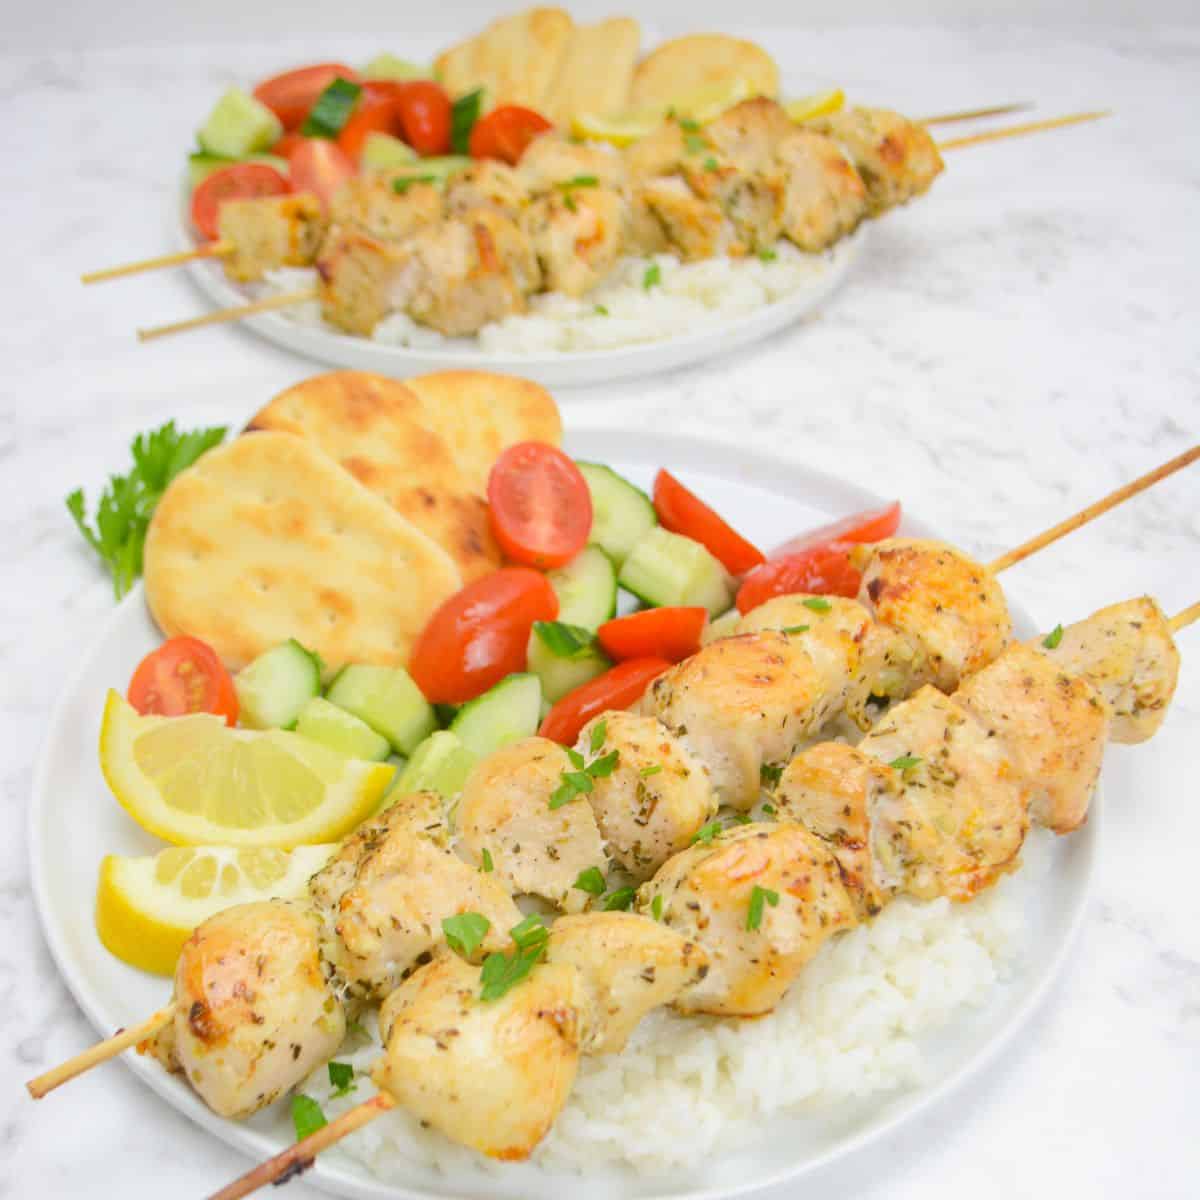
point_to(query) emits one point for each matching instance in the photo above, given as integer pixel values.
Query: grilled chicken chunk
(486, 183)
(825, 198)
(948, 607)
(1053, 726)
(254, 1013)
(656, 798)
(693, 227)
(748, 133)
(269, 232)
(1126, 652)
(371, 204)
(384, 894)
(629, 964)
(578, 235)
(550, 161)
(357, 273)
(708, 895)
(491, 1075)
(963, 808)
(535, 849)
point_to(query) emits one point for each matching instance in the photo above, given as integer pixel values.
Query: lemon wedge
(709, 103)
(623, 129)
(820, 104)
(146, 908)
(194, 781)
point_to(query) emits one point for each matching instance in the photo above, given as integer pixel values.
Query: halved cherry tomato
(505, 132)
(682, 511)
(823, 569)
(670, 633)
(425, 116)
(241, 181)
(317, 165)
(291, 95)
(184, 675)
(286, 144)
(541, 509)
(480, 634)
(379, 110)
(872, 525)
(616, 688)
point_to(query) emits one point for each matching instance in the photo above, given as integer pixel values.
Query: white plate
(74, 821)
(717, 335)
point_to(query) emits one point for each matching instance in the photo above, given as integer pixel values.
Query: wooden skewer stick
(222, 315)
(971, 114)
(1093, 510)
(209, 250)
(297, 1158)
(1011, 131)
(1184, 618)
(100, 1052)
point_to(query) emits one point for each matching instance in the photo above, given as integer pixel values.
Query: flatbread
(685, 66)
(515, 59)
(267, 538)
(377, 429)
(596, 72)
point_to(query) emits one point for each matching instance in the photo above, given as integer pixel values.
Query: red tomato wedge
(541, 509)
(319, 166)
(823, 569)
(480, 634)
(378, 111)
(241, 181)
(425, 113)
(670, 633)
(872, 525)
(291, 95)
(184, 675)
(682, 511)
(286, 144)
(505, 132)
(616, 688)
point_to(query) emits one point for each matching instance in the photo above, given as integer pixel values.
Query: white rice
(850, 1028)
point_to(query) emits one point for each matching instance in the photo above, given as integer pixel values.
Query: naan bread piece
(515, 59)
(479, 414)
(596, 72)
(684, 66)
(267, 538)
(377, 429)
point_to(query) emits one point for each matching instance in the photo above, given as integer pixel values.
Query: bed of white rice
(624, 311)
(850, 1028)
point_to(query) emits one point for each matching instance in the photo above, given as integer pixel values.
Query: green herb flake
(332, 109)
(706, 833)
(656, 907)
(486, 866)
(402, 183)
(463, 115)
(577, 759)
(465, 932)
(905, 762)
(591, 881)
(579, 181)
(710, 164)
(601, 311)
(769, 809)
(687, 124)
(695, 143)
(599, 733)
(307, 1116)
(619, 901)
(563, 640)
(502, 972)
(529, 932)
(1051, 640)
(766, 254)
(569, 202)
(652, 277)
(603, 767)
(741, 818)
(770, 774)
(759, 897)
(341, 1078)
(816, 603)
(652, 769)
(795, 629)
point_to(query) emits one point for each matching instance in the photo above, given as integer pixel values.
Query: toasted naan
(379, 431)
(596, 71)
(267, 538)
(687, 66)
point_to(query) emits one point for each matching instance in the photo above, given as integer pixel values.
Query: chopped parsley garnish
(687, 124)
(741, 818)
(580, 181)
(1051, 640)
(695, 143)
(652, 276)
(759, 897)
(307, 1116)
(652, 769)
(463, 115)
(605, 765)
(332, 109)
(710, 164)
(905, 762)
(599, 733)
(706, 833)
(341, 1078)
(402, 183)
(591, 881)
(573, 784)
(563, 640)
(816, 603)
(620, 900)
(601, 311)
(502, 972)
(465, 931)
(770, 774)
(569, 202)
(769, 809)
(485, 861)
(796, 628)
(656, 907)
(766, 254)
(529, 932)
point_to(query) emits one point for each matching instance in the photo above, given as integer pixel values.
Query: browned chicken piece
(751, 201)
(838, 793)
(485, 183)
(744, 704)
(629, 964)
(370, 203)
(1126, 652)
(550, 161)
(658, 153)
(761, 899)
(748, 133)
(947, 606)
(254, 1013)
(269, 232)
(357, 274)
(577, 233)
(657, 796)
(491, 1075)
(896, 157)
(963, 808)
(535, 849)
(1053, 725)
(419, 812)
(694, 228)
(384, 894)
(825, 198)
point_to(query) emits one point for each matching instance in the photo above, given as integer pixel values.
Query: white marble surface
(1023, 340)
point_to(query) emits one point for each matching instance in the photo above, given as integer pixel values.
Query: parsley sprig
(307, 1116)
(341, 1078)
(759, 897)
(502, 972)
(581, 781)
(465, 932)
(1051, 640)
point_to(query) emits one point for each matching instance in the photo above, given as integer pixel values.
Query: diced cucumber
(201, 165)
(508, 712)
(239, 125)
(665, 568)
(586, 589)
(381, 151)
(621, 513)
(564, 657)
(430, 170)
(720, 627)
(389, 66)
(441, 763)
(388, 700)
(341, 731)
(275, 687)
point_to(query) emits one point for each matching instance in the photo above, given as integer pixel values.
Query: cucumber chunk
(508, 712)
(720, 627)
(430, 170)
(388, 700)
(621, 513)
(381, 151)
(389, 66)
(441, 763)
(201, 165)
(341, 731)
(586, 589)
(665, 568)
(275, 687)
(564, 657)
(239, 125)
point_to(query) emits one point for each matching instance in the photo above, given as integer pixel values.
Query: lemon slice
(707, 104)
(819, 104)
(623, 129)
(195, 782)
(146, 908)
